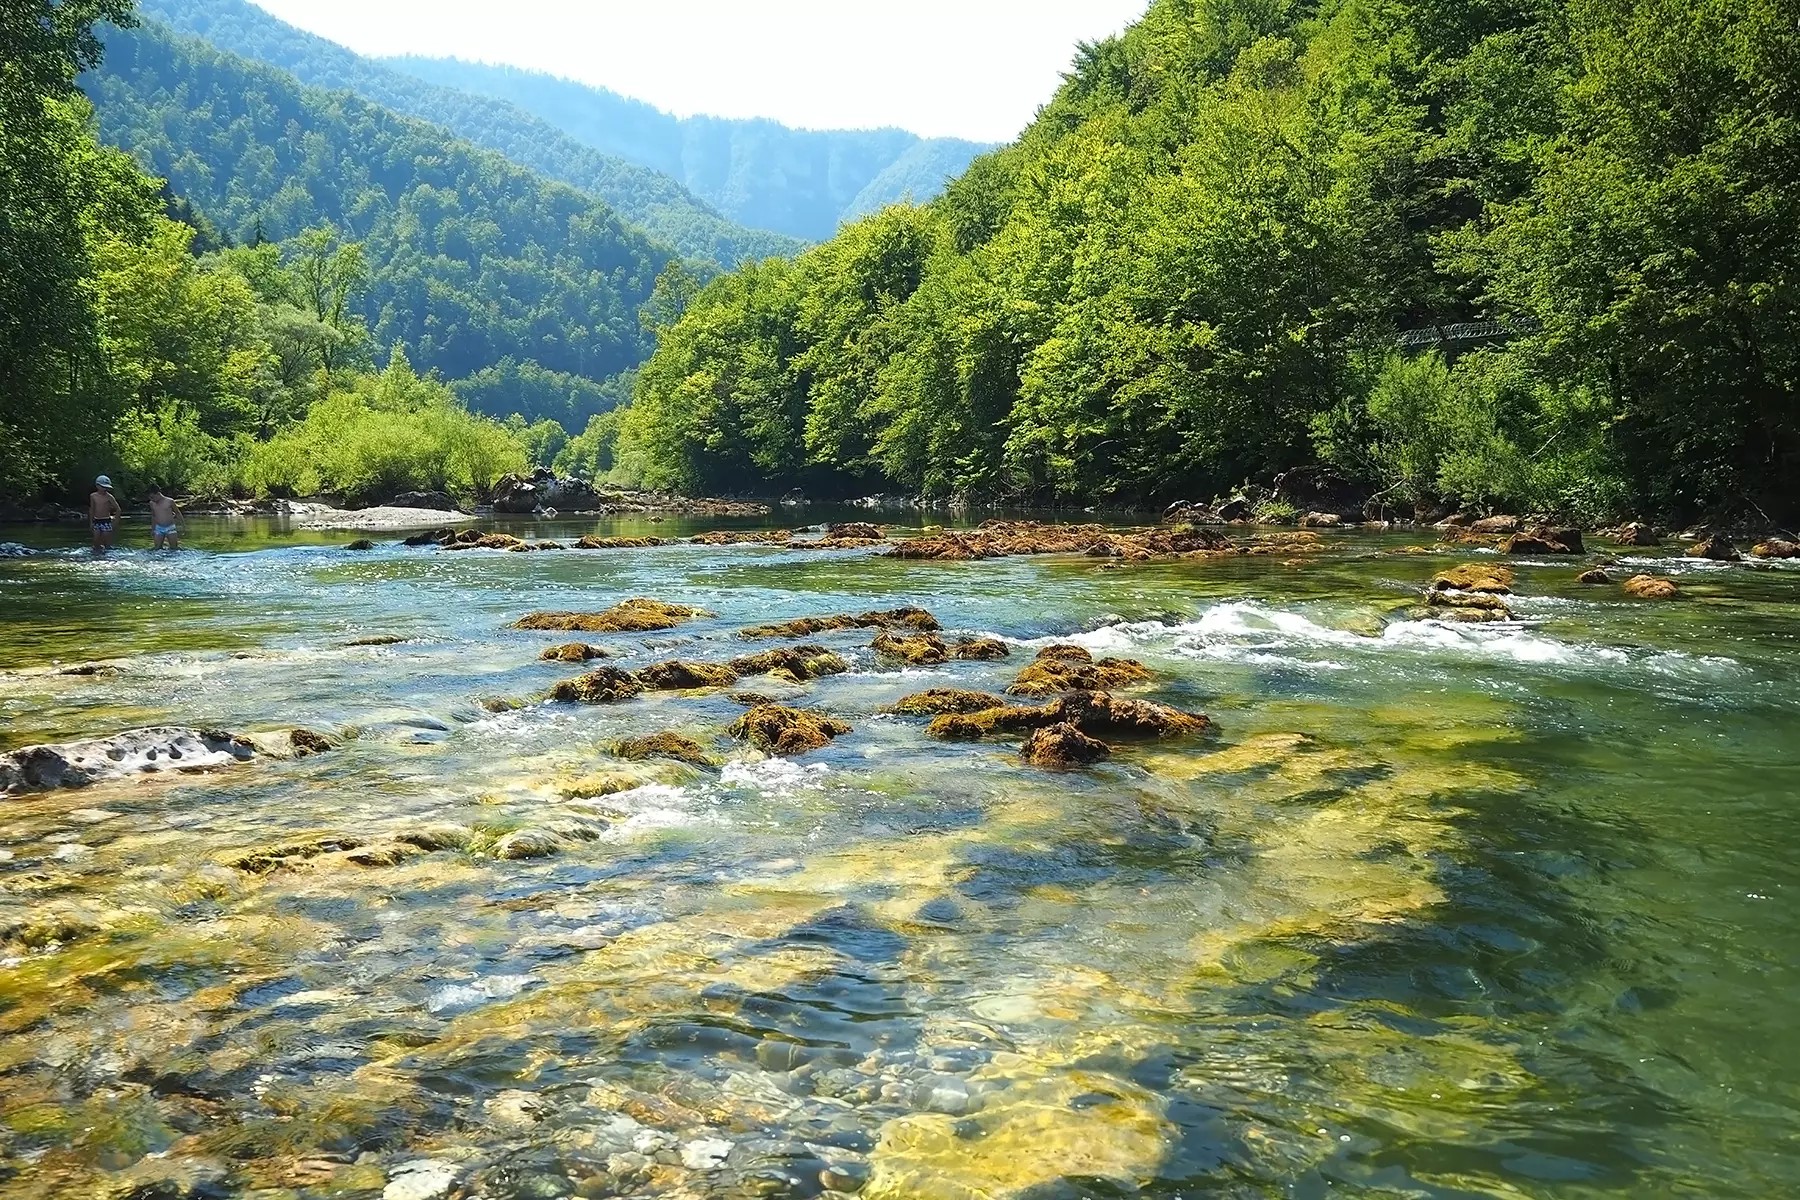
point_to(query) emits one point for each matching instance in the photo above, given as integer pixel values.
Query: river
(1433, 910)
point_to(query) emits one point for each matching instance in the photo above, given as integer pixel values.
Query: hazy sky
(970, 68)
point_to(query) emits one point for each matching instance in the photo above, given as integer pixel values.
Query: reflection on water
(1438, 910)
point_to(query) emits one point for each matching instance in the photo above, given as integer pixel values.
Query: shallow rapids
(1434, 909)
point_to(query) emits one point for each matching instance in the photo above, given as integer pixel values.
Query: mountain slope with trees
(469, 258)
(764, 174)
(644, 196)
(1191, 270)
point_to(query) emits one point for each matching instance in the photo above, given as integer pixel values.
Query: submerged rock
(260, 860)
(664, 745)
(1651, 587)
(1595, 576)
(630, 616)
(796, 664)
(528, 843)
(574, 652)
(1465, 606)
(938, 701)
(77, 764)
(305, 742)
(604, 686)
(1715, 546)
(779, 730)
(677, 676)
(379, 639)
(437, 835)
(1063, 745)
(907, 617)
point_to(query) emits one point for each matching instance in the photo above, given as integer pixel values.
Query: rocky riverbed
(1239, 861)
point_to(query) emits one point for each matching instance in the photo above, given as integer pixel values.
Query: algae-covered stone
(528, 843)
(664, 745)
(1090, 712)
(795, 664)
(603, 783)
(630, 616)
(677, 676)
(1715, 546)
(574, 652)
(905, 617)
(604, 686)
(937, 701)
(778, 730)
(1063, 745)
(1594, 577)
(263, 859)
(1651, 587)
(1489, 578)
(1062, 672)
(305, 742)
(437, 835)
(1776, 548)
(923, 649)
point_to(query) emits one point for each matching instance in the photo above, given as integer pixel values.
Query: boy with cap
(103, 510)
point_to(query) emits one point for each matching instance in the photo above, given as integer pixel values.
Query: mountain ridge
(643, 196)
(754, 170)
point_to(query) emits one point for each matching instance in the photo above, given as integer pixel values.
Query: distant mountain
(642, 194)
(471, 259)
(759, 173)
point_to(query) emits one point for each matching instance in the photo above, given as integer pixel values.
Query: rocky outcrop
(1497, 524)
(664, 745)
(938, 701)
(1651, 587)
(1543, 539)
(1321, 520)
(1062, 746)
(1094, 713)
(1715, 546)
(78, 764)
(857, 530)
(1059, 669)
(630, 616)
(574, 652)
(1633, 533)
(361, 544)
(893, 618)
(796, 664)
(605, 686)
(730, 537)
(679, 676)
(1776, 548)
(618, 543)
(1475, 577)
(516, 494)
(775, 729)
(437, 501)
(930, 650)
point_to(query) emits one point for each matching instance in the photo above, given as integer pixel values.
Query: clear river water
(1433, 911)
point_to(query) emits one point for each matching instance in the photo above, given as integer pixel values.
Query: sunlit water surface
(1437, 911)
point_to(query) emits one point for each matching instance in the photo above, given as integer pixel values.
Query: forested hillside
(761, 173)
(133, 342)
(642, 195)
(1191, 270)
(470, 259)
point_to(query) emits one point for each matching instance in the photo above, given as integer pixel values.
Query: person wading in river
(103, 512)
(163, 518)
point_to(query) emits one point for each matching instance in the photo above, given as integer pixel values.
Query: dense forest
(134, 339)
(761, 173)
(640, 194)
(1193, 268)
(470, 259)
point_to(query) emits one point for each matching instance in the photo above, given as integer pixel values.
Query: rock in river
(1063, 745)
(630, 616)
(779, 730)
(1715, 546)
(77, 764)
(1651, 587)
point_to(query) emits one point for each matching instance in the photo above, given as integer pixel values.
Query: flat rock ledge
(381, 518)
(78, 764)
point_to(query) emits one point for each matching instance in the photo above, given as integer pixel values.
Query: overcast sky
(968, 68)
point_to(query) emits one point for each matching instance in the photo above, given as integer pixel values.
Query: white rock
(705, 1154)
(423, 1179)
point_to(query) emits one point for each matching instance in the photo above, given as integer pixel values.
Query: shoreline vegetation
(1238, 255)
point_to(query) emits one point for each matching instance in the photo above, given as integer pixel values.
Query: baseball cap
(103, 481)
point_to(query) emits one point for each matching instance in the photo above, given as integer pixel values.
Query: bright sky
(968, 68)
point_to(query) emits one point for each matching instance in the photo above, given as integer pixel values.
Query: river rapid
(1433, 910)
